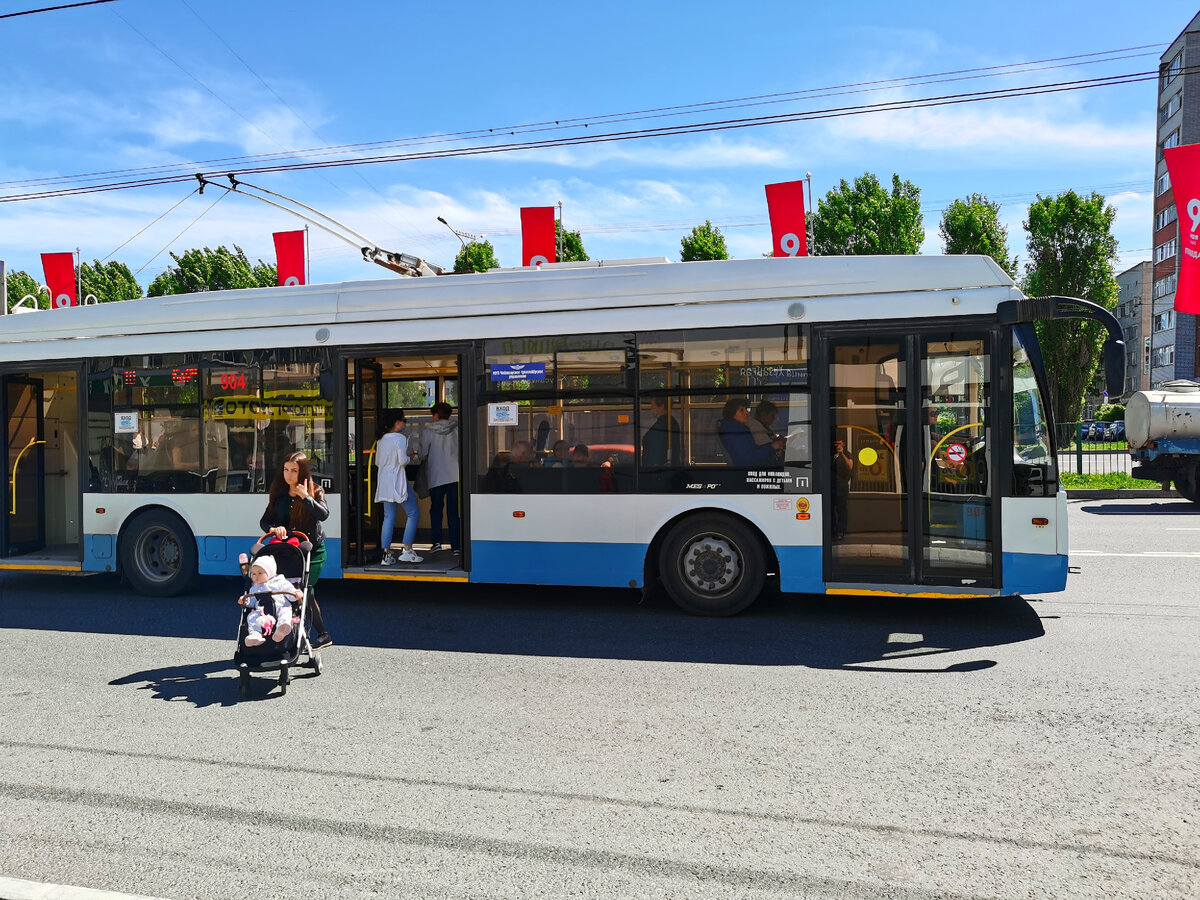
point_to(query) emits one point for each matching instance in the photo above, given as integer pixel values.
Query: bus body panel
(218, 522)
(603, 539)
(498, 304)
(1034, 557)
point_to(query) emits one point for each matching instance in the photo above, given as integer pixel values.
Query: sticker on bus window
(502, 414)
(125, 423)
(518, 371)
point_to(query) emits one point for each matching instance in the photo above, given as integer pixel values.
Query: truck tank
(1172, 411)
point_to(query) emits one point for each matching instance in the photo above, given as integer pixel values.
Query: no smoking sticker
(956, 453)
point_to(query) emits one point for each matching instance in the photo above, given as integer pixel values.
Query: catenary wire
(46, 9)
(661, 131)
(155, 222)
(637, 115)
(181, 234)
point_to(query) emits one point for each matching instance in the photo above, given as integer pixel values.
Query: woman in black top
(296, 503)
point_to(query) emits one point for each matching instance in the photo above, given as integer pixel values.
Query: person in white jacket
(391, 458)
(439, 452)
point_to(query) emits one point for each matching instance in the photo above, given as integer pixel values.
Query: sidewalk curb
(20, 889)
(1122, 494)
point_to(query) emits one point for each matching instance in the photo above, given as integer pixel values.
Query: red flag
(60, 278)
(1183, 165)
(289, 256)
(785, 205)
(538, 241)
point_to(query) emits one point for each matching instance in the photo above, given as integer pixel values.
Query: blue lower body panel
(1030, 573)
(800, 570)
(529, 562)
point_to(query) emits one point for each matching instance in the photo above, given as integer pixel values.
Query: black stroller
(291, 555)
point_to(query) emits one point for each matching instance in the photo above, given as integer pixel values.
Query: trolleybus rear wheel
(712, 565)
(158, 554)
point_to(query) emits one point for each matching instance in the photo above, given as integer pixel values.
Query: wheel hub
(712, 565)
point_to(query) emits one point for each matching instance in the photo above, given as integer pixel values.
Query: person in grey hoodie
(438, 450)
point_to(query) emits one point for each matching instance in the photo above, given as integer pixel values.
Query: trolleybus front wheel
(158, 554)
(712, 565)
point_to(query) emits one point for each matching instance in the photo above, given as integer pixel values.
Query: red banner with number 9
(785, 205)
(1183, 165)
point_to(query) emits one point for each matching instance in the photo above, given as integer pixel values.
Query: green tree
(477, 256)
(22, 284)
(109, 281)
(571, 243)
(865, 220)
(705, 242)
(973, 225)
(212, 270)
(1071, 253)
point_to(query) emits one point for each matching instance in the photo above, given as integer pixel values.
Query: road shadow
(204, 684)
(852, 633)
(1181, 508)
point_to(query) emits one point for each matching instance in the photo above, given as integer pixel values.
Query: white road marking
(1164, 554)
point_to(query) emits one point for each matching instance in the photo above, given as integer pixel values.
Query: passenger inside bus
(737, 439)
(559, 457)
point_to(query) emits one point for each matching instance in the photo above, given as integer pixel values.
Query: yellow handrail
(12, 481)
(370, 455)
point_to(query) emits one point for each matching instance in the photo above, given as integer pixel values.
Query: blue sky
(141, 83)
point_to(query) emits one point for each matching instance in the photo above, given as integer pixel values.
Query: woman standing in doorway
(296, 503)
(392, 456)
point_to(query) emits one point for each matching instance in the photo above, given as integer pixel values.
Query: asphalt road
(534, 742)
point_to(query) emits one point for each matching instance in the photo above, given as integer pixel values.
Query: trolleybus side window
(1034, 471)
(556, 415)
(689, 379)
(218, 423)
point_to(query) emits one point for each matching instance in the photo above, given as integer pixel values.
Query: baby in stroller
(269, 591)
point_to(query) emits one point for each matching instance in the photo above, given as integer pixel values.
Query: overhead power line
(566, 124)
(593, 138)
(45, 9)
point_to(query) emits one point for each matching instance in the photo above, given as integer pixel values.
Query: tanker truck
(1162, 427)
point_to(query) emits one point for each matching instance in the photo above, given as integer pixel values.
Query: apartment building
(1133, 311)
(1172, 336)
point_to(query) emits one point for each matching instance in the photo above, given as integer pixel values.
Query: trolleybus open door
(366, 394)
(25, 483)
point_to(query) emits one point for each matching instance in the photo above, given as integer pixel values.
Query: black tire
(1188, 485)
(712, 565)
(158, 554)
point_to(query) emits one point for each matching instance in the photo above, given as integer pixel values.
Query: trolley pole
(3, 289)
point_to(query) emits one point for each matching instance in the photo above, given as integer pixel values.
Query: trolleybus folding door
(366, 393)
(25, 494)
(904, 510)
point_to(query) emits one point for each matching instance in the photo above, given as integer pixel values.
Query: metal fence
(1093, 448)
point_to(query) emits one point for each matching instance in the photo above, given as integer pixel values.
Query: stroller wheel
(285, 676)
(315, 662)
(243, 684)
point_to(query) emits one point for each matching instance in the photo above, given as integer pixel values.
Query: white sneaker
(389, 559)
(409, 557)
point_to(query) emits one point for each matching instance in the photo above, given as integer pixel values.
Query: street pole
(808, 218)
(3, 289)
(561, 237)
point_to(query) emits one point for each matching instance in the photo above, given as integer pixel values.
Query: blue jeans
(444, 494)
(389, 521)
